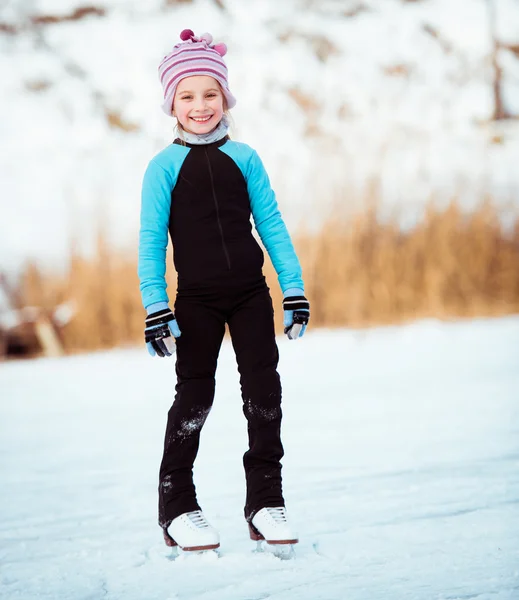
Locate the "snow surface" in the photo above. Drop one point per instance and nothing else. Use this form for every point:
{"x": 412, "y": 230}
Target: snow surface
{"x": 390, "y": 103}
{"x": 401, "y": 472}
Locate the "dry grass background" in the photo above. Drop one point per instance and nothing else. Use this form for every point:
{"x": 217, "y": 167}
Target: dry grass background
{"x": 359, "y": 270}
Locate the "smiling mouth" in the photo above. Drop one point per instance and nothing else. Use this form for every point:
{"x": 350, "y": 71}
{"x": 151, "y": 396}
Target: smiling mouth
{"x": 201, "y": 119}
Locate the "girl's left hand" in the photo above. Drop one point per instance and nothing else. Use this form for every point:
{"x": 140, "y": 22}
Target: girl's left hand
{"x": 296, "y": 313}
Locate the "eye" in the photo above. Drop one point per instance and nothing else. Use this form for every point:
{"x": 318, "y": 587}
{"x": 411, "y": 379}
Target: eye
{"x": 211, "y": 95}
{"x": 188, "y": 97}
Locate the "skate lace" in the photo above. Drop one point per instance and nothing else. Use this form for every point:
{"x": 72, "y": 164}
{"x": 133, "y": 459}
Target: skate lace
{"x": 278, "y": 514}
{"x": 198, "y": 519}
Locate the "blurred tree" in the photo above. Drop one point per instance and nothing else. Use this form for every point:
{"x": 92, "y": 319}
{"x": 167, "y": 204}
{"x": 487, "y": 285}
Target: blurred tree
{"x": 500, "y": 111}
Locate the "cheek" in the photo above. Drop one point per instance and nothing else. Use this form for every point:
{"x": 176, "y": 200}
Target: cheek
{"x": 218, "y": 106}
{"x": 180, "y": 112}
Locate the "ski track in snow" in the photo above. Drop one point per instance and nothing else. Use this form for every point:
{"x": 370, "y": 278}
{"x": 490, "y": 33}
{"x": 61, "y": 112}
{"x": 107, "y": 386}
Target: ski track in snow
{"x": 401, "y": 472}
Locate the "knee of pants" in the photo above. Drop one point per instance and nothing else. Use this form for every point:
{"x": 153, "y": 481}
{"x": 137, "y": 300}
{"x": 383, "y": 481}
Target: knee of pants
{"x": 193, "y": 402}
{"x": 185, "y": 424}
{"x": 260, "y": 412}
{"x": 262, "y": 398}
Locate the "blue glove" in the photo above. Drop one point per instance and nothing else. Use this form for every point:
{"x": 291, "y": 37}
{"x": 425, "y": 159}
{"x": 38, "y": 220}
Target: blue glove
{"x": 161, "y": 330}
{"x": 296, "y": 313}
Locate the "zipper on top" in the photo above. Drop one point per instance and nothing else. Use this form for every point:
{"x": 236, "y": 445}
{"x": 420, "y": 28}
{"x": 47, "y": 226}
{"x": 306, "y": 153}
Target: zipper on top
{"x": 224, "y": 246}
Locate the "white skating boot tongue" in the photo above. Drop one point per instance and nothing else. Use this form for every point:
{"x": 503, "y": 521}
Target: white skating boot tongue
{"x": 272, "y": 524}
{"x": 192, "y": 532}
{"x": 278, "y": 514}
{"x": 198, "y": 519}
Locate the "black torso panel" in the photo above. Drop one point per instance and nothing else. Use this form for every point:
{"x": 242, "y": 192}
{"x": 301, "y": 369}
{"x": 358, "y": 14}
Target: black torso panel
{"x": 210, "y": 223}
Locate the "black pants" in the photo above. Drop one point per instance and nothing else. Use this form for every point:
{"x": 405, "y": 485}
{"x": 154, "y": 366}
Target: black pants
{"x": 201, "y": 317}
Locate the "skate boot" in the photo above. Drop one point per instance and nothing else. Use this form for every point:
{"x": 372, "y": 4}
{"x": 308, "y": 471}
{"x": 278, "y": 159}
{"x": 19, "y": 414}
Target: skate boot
{"x": 270, "y": 525}
{"x": 192, "y": 533}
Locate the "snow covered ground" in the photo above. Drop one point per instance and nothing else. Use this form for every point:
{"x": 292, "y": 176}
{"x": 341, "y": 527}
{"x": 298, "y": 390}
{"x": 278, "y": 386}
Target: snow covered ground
{"x": 401, "y": 471}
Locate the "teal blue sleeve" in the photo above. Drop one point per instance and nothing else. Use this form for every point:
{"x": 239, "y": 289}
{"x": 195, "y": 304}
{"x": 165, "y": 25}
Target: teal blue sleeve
{"x": 270, "y": 225}
{"x": 153, "y": 237}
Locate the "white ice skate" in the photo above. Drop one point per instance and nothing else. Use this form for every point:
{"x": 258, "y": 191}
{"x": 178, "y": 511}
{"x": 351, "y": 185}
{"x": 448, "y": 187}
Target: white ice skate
{"x": 192, "y": 533}
{"x": 270, "y": 525}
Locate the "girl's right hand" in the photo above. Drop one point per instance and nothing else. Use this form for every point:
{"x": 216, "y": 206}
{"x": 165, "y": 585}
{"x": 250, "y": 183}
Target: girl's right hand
{"x": 161, "y": 330}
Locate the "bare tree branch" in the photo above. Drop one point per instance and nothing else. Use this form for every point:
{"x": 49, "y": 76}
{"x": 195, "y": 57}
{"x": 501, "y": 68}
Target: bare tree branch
{"x": 500, "y": 112}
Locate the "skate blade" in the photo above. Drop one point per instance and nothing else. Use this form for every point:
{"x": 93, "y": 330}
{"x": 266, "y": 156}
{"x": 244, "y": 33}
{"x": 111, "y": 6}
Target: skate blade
{"x": 283, "y": 551}
{"x": 178, "y": 553}
{"x": 207, "y": 554}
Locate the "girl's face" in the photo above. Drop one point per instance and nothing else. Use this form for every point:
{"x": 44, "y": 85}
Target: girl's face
{"x": 198, "y": 104}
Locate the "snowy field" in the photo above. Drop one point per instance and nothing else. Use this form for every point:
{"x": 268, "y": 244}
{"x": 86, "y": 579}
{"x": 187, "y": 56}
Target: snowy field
{"x": 401, "y": 472}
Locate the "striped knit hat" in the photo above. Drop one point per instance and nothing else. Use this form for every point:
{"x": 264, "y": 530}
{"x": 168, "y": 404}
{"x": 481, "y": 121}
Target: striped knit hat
{"x": 193, "y": 56}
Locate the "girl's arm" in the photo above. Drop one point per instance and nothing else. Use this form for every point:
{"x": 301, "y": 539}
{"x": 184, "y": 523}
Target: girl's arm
{"x": 153, "y": 237}
{"x": 271, "y": 227}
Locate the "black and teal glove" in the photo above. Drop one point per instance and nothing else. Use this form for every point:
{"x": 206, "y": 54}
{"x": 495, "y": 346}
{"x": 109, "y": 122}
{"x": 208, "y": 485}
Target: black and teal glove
{"x": 296, "y": 313}
{"x": 161, "y": 330}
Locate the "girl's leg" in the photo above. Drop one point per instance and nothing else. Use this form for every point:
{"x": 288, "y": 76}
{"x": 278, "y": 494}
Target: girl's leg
{"x": 252, "y": 330}
{"x": 202, "y": 328}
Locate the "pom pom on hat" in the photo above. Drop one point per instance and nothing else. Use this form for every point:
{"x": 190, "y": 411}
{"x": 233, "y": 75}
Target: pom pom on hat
{"x": 186, "y": 34}
{"x": 221, "y": 48}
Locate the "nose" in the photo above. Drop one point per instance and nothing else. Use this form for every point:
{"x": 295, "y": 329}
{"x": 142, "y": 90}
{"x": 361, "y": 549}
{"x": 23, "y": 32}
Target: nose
{"x": 200, "y": 103}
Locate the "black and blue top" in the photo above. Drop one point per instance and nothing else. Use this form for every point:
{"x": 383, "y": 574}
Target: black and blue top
{"x": 204, "y": 195}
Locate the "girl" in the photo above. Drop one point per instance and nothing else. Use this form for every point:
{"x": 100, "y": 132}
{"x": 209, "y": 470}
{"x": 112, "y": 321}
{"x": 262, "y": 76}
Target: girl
{"x": 202, "y": 189}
